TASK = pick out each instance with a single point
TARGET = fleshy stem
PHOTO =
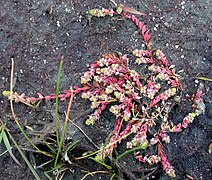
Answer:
(119, 11)
(144, 31)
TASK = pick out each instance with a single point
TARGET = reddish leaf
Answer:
(144, 29)
(133, 11)
(147, 36)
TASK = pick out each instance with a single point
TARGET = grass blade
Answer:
(49, 177)
(129, 151)
(57, 101)
(102, 163)
(49, 146)
(1, 135)
(25, 159)
(204, 78)
(71, 146)
(64, 128)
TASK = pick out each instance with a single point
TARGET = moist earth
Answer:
(37, 33)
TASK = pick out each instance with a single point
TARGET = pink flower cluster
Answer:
(110, 80)
(135, 102)
(163, 96)
(164, 73)
(151, 89)
(152, 159)
(160, 136)
(140, 138)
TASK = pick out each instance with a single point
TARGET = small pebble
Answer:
(58, 23)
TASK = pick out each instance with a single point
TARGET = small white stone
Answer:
(176, 46)
(182, 56)
(58, 23)
(182, 3)
(67, 10)
(166, 24)
(196, 81)
(80, 18)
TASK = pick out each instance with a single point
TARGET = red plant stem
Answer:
(167, 167)
(139, 24)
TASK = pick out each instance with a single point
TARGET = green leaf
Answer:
(142, 146)
(89, 121)
(6, 93)
(1, 135)
(49, 146)
(204, 78)
(71, 146)
(119, 9)
(9, 147)
(92, 12)
(102, 163)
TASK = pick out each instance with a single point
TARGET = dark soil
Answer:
(37, 33)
